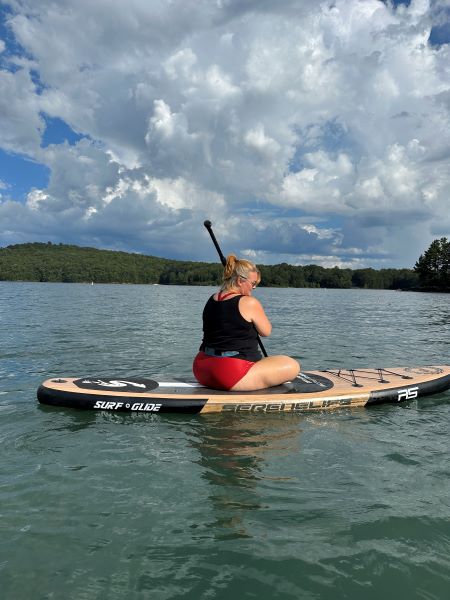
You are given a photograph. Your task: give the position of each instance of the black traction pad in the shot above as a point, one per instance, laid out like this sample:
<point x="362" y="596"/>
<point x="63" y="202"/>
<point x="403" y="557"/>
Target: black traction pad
<point x="136" y="385"/>
<point x="306" y="383"/>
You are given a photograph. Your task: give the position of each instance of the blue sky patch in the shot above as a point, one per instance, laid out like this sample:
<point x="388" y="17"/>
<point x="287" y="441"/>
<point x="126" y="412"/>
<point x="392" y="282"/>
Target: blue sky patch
<point x="57" y="132"/>
<point x="13" y="48"/>
<point x="21" y="174"/>
<point x="440" y="34"/>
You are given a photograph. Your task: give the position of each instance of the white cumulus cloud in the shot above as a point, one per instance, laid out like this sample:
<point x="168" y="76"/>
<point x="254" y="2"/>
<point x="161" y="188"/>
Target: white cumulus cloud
<point x="302" y="129"/>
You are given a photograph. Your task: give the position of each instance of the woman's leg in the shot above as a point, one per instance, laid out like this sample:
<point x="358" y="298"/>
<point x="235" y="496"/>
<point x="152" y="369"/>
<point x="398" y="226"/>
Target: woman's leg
<point x="267" y="372"/>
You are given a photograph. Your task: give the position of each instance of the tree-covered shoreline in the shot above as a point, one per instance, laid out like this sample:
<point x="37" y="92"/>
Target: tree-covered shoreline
<point x="433" y="267"/>
<point x="47" y="262"/>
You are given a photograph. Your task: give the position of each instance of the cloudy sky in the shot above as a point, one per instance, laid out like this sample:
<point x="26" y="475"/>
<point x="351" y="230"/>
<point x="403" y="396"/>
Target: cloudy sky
<point x="306" y="131"/>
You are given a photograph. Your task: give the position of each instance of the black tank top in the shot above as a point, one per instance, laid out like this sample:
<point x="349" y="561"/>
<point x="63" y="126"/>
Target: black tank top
<point x="226" y="330"/>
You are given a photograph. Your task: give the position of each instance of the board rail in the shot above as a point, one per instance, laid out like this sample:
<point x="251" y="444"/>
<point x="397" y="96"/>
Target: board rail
<point x="327" y="389"/>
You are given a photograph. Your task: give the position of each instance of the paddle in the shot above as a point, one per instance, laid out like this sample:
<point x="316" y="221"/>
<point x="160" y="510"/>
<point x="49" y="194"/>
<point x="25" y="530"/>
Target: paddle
<point x="223" y="260"/>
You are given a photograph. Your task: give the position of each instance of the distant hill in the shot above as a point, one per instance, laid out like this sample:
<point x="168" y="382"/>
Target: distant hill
<point x="74" y="264"/>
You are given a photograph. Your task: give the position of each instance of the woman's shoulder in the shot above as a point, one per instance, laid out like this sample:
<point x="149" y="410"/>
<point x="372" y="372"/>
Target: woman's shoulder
<point x="249" y="302"/>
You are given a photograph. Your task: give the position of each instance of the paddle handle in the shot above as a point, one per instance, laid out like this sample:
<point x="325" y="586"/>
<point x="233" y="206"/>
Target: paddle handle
<point x="208" y="226"/>
<point x="223" y="260"/>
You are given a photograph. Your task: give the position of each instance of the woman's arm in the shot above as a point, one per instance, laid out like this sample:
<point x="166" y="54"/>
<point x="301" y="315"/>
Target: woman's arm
<point x="251" y="309"/>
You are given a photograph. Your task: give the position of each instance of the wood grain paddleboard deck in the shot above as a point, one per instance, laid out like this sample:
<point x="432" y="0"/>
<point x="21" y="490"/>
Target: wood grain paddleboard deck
<point x="315" y="390"/>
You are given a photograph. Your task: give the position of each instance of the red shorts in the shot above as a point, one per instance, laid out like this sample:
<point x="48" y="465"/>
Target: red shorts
<point x="220" y="372"/>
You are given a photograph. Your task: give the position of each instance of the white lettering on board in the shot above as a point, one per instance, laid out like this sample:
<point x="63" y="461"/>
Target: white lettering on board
<point x="408" y="393"/>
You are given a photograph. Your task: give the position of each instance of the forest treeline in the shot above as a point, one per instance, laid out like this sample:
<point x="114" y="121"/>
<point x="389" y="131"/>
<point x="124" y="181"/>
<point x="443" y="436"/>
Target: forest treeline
<point x="433" y="267"/>
<point x="74" y="264"/>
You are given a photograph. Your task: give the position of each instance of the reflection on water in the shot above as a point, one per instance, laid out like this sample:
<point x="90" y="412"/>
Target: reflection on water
<point x="232" y="455"/>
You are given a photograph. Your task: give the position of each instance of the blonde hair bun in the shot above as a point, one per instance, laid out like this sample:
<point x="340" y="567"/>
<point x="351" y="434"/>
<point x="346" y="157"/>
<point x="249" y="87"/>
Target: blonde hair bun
<point x="234" y="268"/>
<point x="230" y="266"/>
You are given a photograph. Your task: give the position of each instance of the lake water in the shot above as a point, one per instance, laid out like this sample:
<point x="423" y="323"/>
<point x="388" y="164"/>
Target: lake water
<point x="350" y="504"/>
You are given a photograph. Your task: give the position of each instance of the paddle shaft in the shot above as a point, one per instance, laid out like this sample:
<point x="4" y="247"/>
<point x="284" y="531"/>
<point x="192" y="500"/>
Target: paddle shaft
<point x="223" y="260"/>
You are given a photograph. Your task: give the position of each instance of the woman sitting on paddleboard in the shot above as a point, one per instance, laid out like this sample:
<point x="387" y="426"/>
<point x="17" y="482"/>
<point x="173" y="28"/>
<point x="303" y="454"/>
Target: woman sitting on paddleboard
<point x="229" y="357"/>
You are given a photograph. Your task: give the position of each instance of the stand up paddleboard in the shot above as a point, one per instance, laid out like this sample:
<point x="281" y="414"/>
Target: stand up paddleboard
<point x="315" y="390"/>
